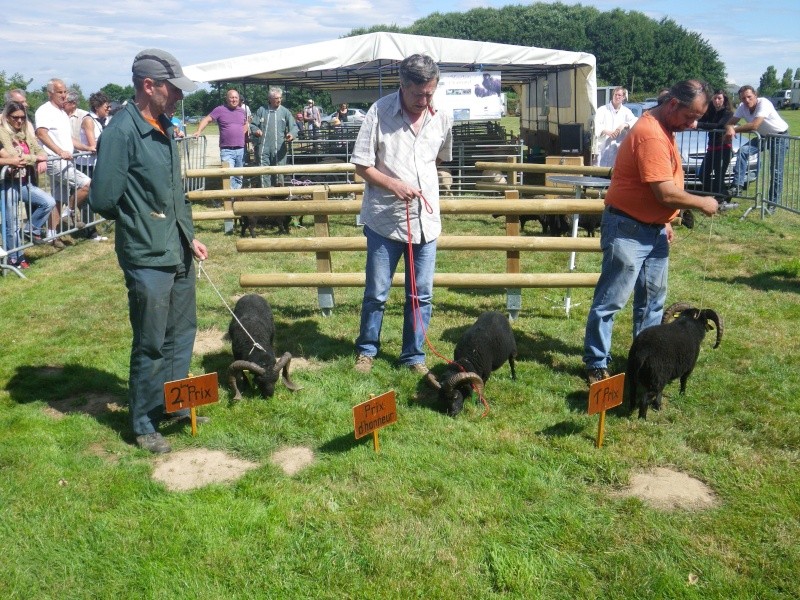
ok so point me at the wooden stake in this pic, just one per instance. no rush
(600, 429)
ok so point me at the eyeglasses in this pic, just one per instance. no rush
(17, 117)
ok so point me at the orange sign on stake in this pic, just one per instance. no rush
(189, 393)
(370, 416)
(603, 395)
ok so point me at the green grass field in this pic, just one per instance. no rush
(518, 504)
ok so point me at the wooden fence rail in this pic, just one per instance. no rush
(321, 206)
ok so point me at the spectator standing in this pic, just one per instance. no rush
(91, 127)
(300, 124)
(719, 149)
(273, 127)
(232, 121)
(645, 194)
(611, 123)
(137, 182)
(396, 152)
(312, 116)
(759, 115)
(69, 185)
(18, 95)
(75, 115)
(341, 113)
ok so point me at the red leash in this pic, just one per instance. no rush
(416, 310)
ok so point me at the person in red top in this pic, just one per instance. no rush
(645, 194)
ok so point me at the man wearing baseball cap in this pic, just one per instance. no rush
(137, 182)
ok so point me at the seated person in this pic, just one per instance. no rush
(29, 159)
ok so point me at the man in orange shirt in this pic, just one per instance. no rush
(646, 193)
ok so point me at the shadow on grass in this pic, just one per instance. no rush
(73, 389)
(779, 280)
(343, 443)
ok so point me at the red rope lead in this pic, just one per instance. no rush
(415, 307)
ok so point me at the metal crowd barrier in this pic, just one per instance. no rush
(771, 167)
(62, 188)
(11, 241)
(193, 156)
(777, 185)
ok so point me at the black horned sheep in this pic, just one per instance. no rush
(483, 348)
(666, 352)
(252, 331)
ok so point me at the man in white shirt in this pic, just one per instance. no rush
(396, 153)
(55, 133)
(611, 124)
(759, 115)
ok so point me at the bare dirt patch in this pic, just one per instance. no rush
(209, 340)
(198, 467)
(292, 460)
(89, 404)
(303, 364)
(666, 489)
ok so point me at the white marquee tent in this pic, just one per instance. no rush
(555, 86)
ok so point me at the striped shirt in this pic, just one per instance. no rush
(387, 142)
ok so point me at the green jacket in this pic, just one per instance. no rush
(137, 183)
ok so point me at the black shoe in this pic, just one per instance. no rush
(154, 442)
(593, 375)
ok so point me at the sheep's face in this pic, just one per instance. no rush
(266, 383)
(452, 400)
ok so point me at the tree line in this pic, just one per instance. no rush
(631, 49)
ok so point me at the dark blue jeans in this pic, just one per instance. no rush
(163, 316)
(383, 254)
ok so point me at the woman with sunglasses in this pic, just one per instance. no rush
(17, 144)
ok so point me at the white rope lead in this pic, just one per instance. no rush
(204, 272)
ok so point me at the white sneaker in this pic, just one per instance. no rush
(98, 238)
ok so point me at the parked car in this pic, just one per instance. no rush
(692, 145)
(354, 116)
(638, 108)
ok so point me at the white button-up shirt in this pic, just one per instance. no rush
(387, 142)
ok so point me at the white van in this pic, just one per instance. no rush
(782, 99)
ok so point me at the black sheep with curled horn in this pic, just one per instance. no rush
(252, 331)
(666, 352)
(483, 348)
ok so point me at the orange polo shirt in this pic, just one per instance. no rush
(647, 155)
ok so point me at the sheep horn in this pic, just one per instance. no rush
(241, 365)
(710, 315)
(283, 366)
(674, 309)
(458, 378)
(432, 381)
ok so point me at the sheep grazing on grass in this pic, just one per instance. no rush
(252, 337)
(666, 352)
(483, 348)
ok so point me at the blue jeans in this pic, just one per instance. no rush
(235, 158)
(635, 259)
(39, 203)
(161, 304)
(383, 255)
(777, 147)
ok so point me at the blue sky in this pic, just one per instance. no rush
(93, 44)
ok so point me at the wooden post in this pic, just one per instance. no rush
(513, 295)
(324, 263)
